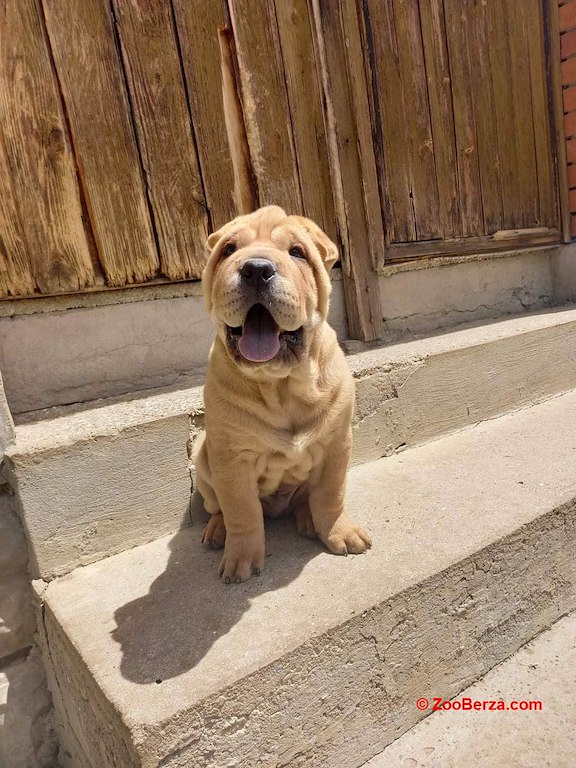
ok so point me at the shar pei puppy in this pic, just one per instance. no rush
(279, 395)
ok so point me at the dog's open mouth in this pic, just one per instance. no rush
(260, 338)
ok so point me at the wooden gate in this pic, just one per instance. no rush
(467, 156)
(403, 127)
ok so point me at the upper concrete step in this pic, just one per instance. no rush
(95, 481)
(319, 662)
(542, 672)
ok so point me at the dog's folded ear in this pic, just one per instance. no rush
(328, 250)
(215, 236)
(213, 239)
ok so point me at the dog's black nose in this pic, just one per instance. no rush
(258, 271)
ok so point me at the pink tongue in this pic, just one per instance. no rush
(260, 340)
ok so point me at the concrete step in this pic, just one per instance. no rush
(319, 661)
(542, 672)
(94, 481)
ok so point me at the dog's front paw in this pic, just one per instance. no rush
(214, 534)
(243, 555)
(345, 537)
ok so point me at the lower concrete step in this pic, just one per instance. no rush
(92, 481)
(319, 661)
(539, 681)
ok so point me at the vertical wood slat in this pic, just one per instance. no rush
(360, 78)
(527, 202)
(465, 128)
(197, 24)
(244, 183)
(535, 52)
(305, 105)
(500, 68)
(441, 113)
(16, 277)
(419, 148)
(265, 103)
(479, 40)
(360, 281)
(38, 151)
(166, 144)
(88, 65)
(392, 126)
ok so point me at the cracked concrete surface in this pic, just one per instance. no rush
(543, 671)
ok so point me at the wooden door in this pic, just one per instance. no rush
(463, 124)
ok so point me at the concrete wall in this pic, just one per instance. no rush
(74, 349)
(27, 738)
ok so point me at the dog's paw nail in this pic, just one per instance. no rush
(226, 579)
(345, 552)
(237, 580)
(257, 571)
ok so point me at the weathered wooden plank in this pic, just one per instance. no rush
(535, 53)
(305, 105)
(360, 280)
(90, 72)
(479, 41)
(393, 125)
(39, 154)
(162, 120)
(527, 202)
(244, 184)
(457, 31)
(441, 114)
(197, 25)
(265, 103)
(16, 277)
(505, 240)
(420, 148)
(360, 79)
(500, 69)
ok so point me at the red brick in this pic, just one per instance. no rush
(568, 44)
(568, 16)
(570, 124)
(573, 225)
(569, 71)
(569, 95)
(571, 151)
(573, 201)
(572, 176)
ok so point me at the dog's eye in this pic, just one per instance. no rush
(297, 252)
(229, 249)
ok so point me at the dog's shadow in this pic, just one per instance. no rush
(168, 631)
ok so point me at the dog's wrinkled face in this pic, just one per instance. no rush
(266, 286)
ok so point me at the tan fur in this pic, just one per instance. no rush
(275, 431)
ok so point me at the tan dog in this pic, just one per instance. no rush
(278, 396)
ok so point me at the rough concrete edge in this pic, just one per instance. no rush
(210, 709)
(64, 428)
(399, 373)
(62, 720)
